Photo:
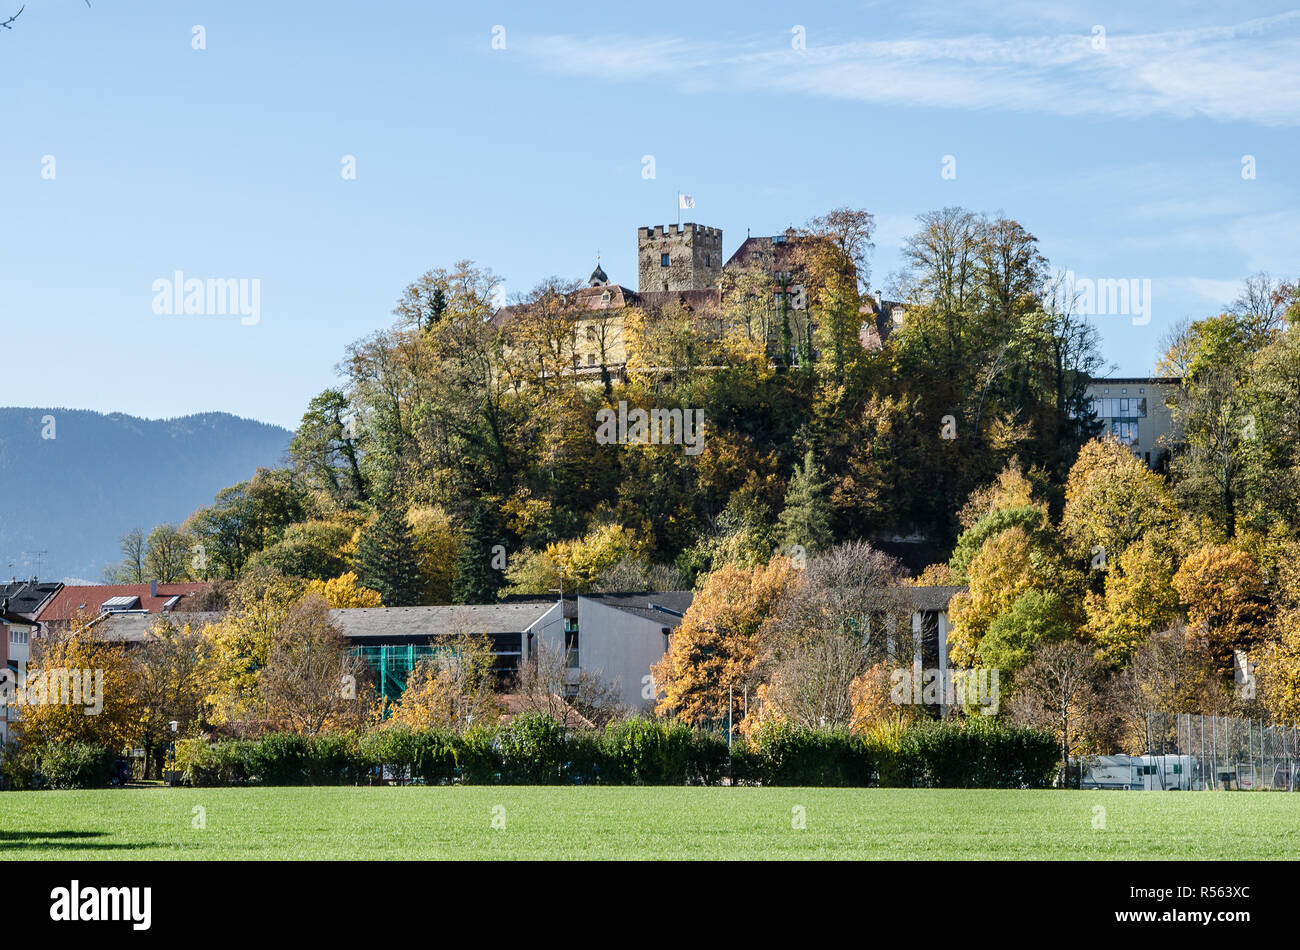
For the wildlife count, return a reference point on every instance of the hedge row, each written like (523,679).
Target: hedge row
(536,750)
(70,765)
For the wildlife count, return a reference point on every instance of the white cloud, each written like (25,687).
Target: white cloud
(1248,71)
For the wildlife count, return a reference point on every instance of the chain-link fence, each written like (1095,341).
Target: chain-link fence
(1228,752)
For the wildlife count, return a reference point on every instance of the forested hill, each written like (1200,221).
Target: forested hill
(73,495)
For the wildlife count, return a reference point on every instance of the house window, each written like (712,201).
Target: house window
(1126,430)
(571,648)
(663,260)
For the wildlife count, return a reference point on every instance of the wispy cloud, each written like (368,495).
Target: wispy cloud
(1249,71)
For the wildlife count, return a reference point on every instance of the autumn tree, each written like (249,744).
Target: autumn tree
(1171,671)
(78,688)
(259,606)
(345,591)
(1223,593)
(452,689)
(1139,598)
(313,681)
(174,672)
(847,611)
(1008,565)
(548,685)
(1278,671)
(1062,690)
(716,644)
(1111,500)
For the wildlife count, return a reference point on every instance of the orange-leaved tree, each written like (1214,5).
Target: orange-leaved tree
(715,646)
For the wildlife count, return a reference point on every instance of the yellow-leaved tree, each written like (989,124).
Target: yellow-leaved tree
(715,645)
(345,591)
(1007,565)
(453,689)
(79,689)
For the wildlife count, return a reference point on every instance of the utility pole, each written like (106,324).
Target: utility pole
(730,705)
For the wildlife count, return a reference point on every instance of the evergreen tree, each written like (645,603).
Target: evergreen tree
(387,558)
(477,578)
(806,518)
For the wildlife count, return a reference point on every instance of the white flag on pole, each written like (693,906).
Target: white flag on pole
(685,201)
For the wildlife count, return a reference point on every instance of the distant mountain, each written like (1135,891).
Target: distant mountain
(74,495)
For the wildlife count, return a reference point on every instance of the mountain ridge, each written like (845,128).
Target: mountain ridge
(71,489)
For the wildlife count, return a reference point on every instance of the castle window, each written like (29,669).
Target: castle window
(663,260)
(707,262)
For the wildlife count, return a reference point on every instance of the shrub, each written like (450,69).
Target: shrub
(436,755)
(784,754)
(280,758)
(392,747)
(18,767)
(532,750)
(207,764)
(647,752)
(334,758)
(706,758)
(479,758)
(585,764)
(890,747)
(75,765)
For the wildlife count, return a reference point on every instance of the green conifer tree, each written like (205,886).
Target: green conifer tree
(477,578)
(806,518)
(387,558)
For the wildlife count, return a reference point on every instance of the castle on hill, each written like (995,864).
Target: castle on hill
(681,267)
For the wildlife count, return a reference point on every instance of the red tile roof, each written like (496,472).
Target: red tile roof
(71,601)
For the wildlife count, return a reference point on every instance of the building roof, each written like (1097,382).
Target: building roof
(135,628)
(616,296)
(774,250)
(663,607)
(410,624)
(9,617)
(933,597)
(1136,381)
(90,600)
(27,597)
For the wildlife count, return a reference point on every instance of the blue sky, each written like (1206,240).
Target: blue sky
(225,162)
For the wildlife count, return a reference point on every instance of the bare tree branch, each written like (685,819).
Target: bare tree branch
(6,23)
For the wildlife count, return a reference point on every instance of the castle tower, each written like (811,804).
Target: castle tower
(679,257)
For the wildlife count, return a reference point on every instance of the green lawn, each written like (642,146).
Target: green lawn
(711,823)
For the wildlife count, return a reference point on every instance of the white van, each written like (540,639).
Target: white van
(1137,772)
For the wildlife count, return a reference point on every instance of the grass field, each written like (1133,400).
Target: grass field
(658,823)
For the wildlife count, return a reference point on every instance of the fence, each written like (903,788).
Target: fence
(1229,752)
